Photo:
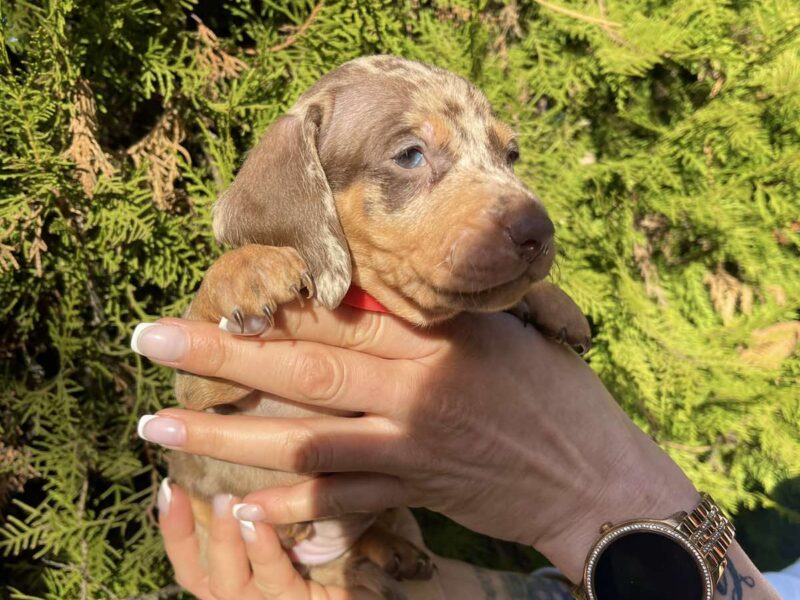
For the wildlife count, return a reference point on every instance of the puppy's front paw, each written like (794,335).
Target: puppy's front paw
(244,287)
(397,556)
(363,574)
(556,315)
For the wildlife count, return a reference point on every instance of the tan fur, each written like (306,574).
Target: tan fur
(202,512)
(323,195)
(406,265)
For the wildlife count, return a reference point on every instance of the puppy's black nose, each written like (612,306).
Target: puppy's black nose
(532,233)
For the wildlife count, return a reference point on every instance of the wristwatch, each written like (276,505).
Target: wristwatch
(680,557)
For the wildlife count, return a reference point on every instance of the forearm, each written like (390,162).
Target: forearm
(646,484)
(497,585)
(461,580)
(741,581)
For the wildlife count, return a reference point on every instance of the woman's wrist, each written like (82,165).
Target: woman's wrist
(643,483)
(658,495)
(742,580)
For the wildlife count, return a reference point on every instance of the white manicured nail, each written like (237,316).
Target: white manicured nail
(248,531)
(140,328)
(143,420)
(222,504)
(164,497)
(248,512)
(252,325)
(157,341)
(162,430)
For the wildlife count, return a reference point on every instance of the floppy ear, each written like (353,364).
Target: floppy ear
(281,197)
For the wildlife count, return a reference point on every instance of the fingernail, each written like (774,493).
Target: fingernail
(252,325)
(248,530)
(248,512)
(222,504)
(162,430)
(164,497)
(160,342)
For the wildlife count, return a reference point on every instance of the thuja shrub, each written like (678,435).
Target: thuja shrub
(663,136)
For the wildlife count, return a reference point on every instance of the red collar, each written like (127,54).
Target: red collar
(358,298)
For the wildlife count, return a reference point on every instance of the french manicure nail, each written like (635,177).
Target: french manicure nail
(253,325)
(166,343)
(164,497)
(248,530)
(248,512)
(222,504)
(162,430)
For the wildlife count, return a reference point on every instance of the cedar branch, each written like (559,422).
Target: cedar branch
(577,15)
(166,592)
(303,28)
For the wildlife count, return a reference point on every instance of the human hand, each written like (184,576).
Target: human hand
(480,419)
(245,560)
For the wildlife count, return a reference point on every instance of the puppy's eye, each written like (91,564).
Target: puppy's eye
(410,158)
(512,156)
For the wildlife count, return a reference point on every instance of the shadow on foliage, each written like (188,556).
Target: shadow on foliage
(771,537)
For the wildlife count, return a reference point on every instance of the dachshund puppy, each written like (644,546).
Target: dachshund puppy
(397,178)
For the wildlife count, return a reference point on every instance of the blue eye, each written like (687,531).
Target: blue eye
(410,158)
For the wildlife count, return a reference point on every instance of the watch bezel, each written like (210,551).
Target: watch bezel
(630,527)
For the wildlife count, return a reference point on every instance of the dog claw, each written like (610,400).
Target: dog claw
(393,568)
(562,335)
(583,348)
(296,291)
(239,318)
(425,568)
(268,315)
(308,284)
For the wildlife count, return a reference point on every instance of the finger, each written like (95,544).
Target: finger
(303,445)
(273,573)
(275,577)
(229,571)
(305,372)
(176,521)
(325,497)
(370,332)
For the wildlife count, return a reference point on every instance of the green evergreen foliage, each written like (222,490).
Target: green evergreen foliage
(663,135)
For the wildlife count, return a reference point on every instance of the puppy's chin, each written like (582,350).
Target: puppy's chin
(482,291)
(427,304)
(424,296)
(493,299)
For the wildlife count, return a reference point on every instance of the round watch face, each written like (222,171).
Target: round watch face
(647,564)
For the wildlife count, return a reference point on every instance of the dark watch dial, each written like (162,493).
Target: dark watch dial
(647,565)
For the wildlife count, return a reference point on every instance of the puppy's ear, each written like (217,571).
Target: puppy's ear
(281,197)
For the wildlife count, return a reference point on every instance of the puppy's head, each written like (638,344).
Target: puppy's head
(397,176)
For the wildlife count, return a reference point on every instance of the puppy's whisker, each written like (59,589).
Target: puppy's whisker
(555,270)
(452,257)
(446,260)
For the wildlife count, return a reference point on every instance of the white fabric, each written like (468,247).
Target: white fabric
(786,582)
(330,539)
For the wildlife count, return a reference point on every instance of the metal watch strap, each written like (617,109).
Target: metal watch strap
(710,532)
(706,528)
